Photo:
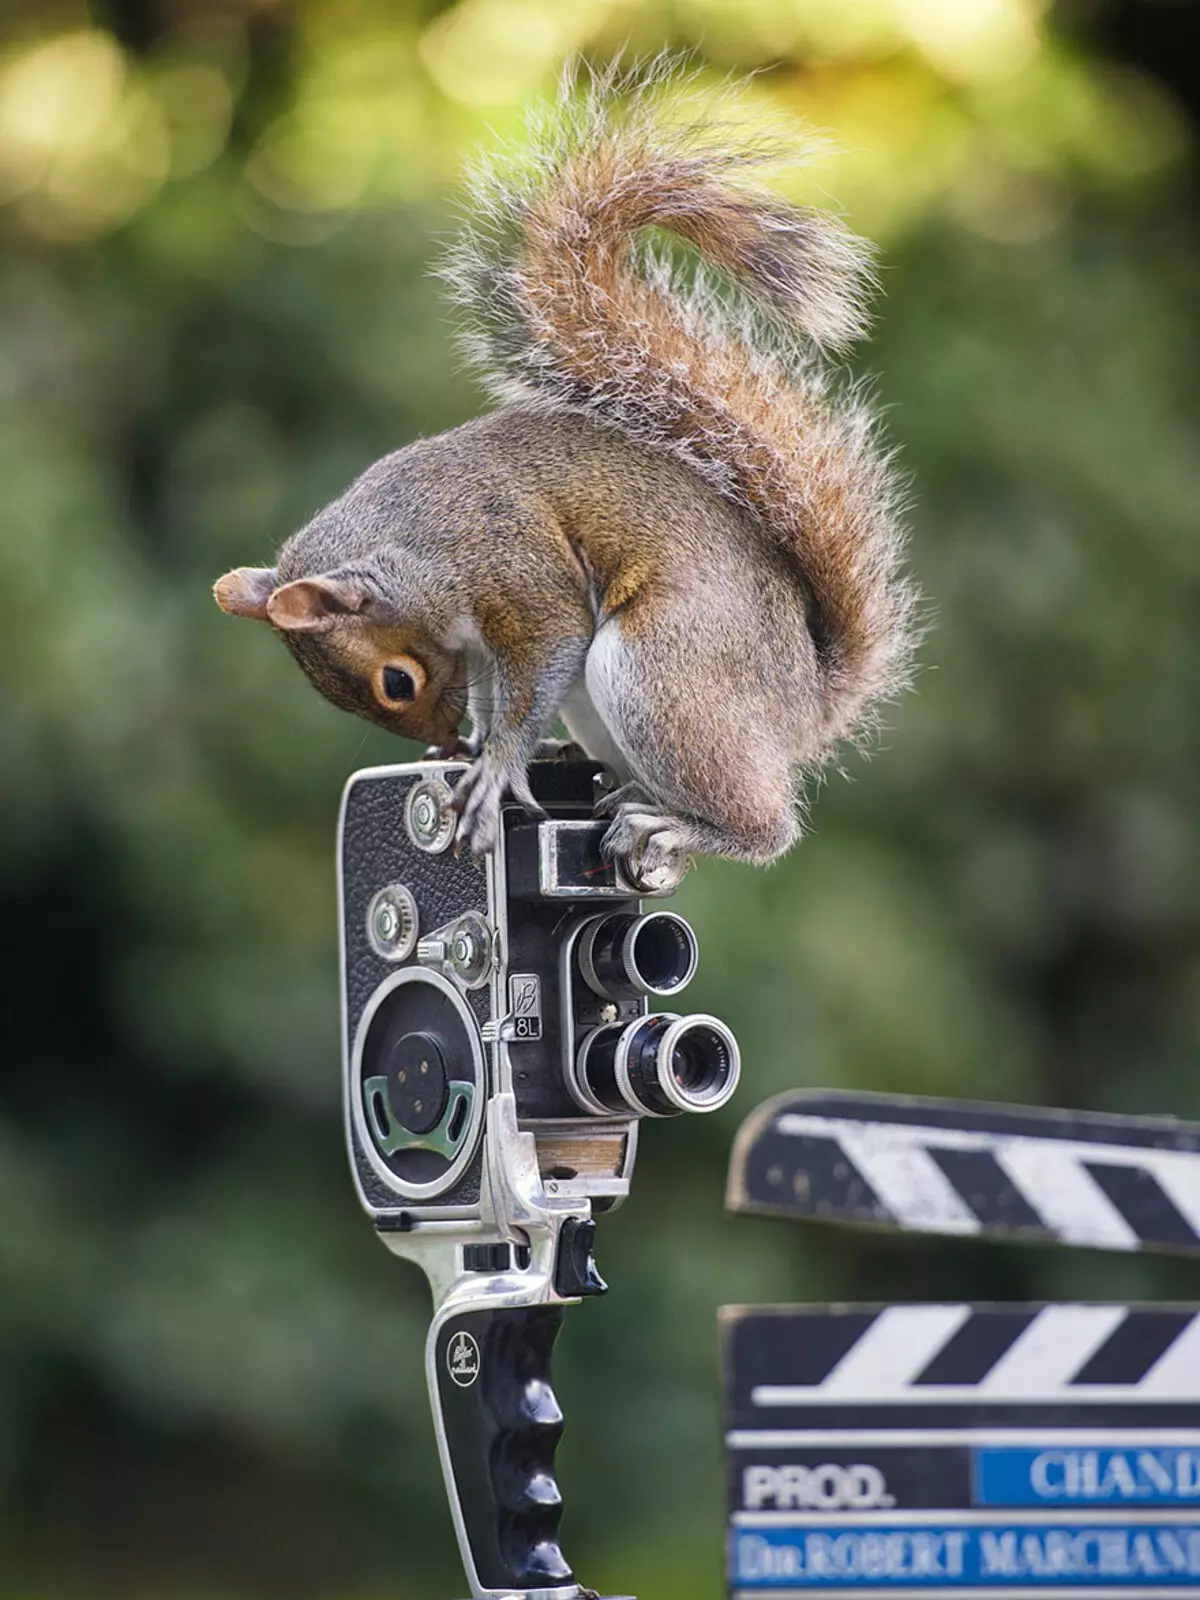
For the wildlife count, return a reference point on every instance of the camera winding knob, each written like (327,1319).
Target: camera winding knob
(428,817)
(392,923)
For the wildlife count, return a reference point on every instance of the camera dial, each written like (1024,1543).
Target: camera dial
(464,949)
(428,816)
(392,922)
(656,1066)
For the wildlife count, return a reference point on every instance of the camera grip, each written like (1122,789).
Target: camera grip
(498,1429)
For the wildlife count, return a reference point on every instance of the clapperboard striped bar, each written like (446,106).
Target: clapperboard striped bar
(963,1450)
(939,1166)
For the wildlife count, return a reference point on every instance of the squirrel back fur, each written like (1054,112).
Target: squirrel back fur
(568,308)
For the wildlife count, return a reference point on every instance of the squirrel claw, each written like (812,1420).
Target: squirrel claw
(647,847)
(477,800)
(478,797)
(629,794)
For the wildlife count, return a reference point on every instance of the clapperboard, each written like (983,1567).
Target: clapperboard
(965,1450)
(941,1166)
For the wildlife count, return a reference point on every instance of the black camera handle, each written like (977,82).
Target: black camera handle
(499,1290)
(499,1424)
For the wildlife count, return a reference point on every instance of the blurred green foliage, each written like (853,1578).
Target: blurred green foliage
(214,310)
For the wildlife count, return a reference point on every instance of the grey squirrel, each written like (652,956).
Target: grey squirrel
(674,533)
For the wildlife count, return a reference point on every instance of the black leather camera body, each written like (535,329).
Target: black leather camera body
(528,972)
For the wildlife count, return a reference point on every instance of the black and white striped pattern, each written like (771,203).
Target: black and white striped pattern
(943,1167)
(809,1359)
(1052,1356)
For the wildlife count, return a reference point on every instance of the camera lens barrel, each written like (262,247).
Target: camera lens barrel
(623,956)
(656,1066)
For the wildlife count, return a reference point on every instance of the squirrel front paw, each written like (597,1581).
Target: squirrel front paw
(478,797)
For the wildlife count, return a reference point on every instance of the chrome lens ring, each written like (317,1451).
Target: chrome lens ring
(660,953)
(721,1071)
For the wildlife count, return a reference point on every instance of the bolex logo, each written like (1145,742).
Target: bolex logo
(828,1487)
(462,1360)
(525,1005)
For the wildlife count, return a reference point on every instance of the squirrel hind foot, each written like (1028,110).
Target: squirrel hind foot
(649,849)
(633,795)
(639,834)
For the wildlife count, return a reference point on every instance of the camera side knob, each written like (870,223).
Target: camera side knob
(428,818)
(393,922)
(464,950)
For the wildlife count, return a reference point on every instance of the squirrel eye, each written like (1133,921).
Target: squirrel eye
(398,685)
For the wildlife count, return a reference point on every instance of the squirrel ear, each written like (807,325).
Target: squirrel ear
(309,605)
(244,592)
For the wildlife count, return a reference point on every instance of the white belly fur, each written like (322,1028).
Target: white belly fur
(585,724)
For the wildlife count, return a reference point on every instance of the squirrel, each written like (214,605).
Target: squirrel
(675,532)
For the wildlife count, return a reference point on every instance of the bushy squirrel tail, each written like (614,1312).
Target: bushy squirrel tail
(570,305)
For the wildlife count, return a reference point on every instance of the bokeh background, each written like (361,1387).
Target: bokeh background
(217,221)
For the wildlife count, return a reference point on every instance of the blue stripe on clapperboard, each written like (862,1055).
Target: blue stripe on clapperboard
(1066,1474)
(1121,1556)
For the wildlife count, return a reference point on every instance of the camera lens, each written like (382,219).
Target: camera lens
(675,1064)
(699,1063)
(657,1066)
(593,1080)
(690,1065)
(623,956)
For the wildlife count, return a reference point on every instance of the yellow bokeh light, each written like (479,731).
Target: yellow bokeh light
(972,41)
(832,30)
(56,101)
(494,52)
(746,35)
(917,95)
(317,159)
(198,104)
(83,144)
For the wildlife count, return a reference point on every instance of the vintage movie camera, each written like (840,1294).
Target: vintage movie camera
(505,1034)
